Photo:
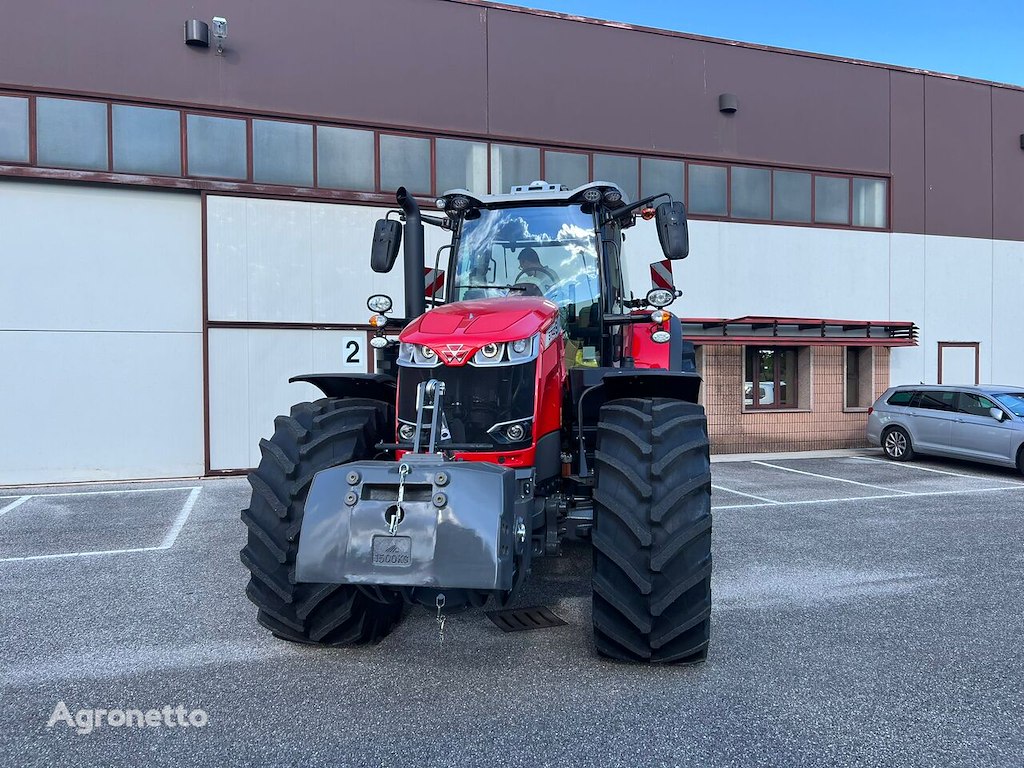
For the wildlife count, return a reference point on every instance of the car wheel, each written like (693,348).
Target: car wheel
(1020,460)
(896,444)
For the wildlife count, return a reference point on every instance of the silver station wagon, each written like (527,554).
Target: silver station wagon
(977,423)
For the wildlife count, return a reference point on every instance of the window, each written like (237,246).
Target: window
(404,162)
(216,147)
(147,140)
(869,201)
(792,196)
(618,169)
(657,176)
(901,398)
(770,377)
(71,134)
(14,129)
(751,193)
(461,165)
(859,391)
(935,401)
(706,191)
(282,153)
(566,168)
(513,166)
(344,158)
(831,200)
(976,405)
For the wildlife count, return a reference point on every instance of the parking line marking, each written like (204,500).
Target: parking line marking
(741,493)
(167,543)
(829,477)
(13,504)
(59,555)
(937,471)
(179,523)
(900,495)
(103,493)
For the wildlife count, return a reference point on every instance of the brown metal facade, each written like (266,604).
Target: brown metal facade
(950,147)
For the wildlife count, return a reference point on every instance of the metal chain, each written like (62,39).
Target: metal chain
(440,620)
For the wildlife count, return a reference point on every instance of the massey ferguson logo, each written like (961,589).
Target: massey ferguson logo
(454,353)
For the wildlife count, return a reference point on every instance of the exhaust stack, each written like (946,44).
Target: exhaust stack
(415,302)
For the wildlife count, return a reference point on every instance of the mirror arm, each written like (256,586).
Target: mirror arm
(627,210)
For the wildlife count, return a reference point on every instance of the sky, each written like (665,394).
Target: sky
(982,39)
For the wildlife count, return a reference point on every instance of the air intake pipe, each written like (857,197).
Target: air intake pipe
(415,303)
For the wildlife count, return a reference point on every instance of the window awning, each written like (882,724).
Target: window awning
(793,331)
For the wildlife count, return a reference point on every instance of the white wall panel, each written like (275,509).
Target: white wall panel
(278,257)
(97,258)
(297,262)
(907,302)
(101,333)
(98,406)
(1007,313)
(751,269)
(958,298)
(249,372)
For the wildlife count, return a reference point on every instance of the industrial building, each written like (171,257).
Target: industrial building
(185,217)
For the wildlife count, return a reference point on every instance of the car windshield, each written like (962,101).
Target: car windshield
(543,251)
(1013,401)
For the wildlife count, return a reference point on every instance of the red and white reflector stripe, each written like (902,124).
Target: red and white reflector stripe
(433,279)
(661,275)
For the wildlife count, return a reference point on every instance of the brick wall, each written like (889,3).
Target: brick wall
(824,426)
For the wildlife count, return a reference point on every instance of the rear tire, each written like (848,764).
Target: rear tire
(652,532)
(313,437)
(896,444)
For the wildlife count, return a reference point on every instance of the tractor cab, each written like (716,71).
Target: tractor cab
(541,240)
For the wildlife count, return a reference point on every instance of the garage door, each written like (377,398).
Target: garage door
(100,333)
(287,283)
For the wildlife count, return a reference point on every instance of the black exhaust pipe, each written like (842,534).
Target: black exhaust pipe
(415,301)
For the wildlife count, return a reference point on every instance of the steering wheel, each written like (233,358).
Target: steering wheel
(540,269)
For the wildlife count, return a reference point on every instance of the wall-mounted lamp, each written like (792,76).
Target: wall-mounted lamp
(220,32)
(728,103)
(197,33)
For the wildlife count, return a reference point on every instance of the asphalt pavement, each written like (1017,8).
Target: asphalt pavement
(865,613)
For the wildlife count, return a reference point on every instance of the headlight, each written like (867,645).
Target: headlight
(417,356)
(515,432)
(490,351)
(406,431)
(661,336)
(660,297)
(592,195)
(379,303)
(659,316)
(523,350)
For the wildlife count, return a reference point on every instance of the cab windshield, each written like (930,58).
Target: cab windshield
(539,251)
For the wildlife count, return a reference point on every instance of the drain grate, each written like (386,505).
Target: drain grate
(519,619)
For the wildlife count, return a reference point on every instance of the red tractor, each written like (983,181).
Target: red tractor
(538,401)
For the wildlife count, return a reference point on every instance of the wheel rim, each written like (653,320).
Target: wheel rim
(895,444)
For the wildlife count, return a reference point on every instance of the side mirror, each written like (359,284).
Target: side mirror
(672,230)
(387,238)
(997,414)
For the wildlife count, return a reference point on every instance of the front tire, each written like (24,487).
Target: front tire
(896,444)
(313,437)
(652,532)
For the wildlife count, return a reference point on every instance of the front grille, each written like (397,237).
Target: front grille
(475,399)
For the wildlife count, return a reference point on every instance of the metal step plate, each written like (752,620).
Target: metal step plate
(520,619)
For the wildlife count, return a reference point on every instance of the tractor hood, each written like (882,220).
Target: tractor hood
(481,321)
